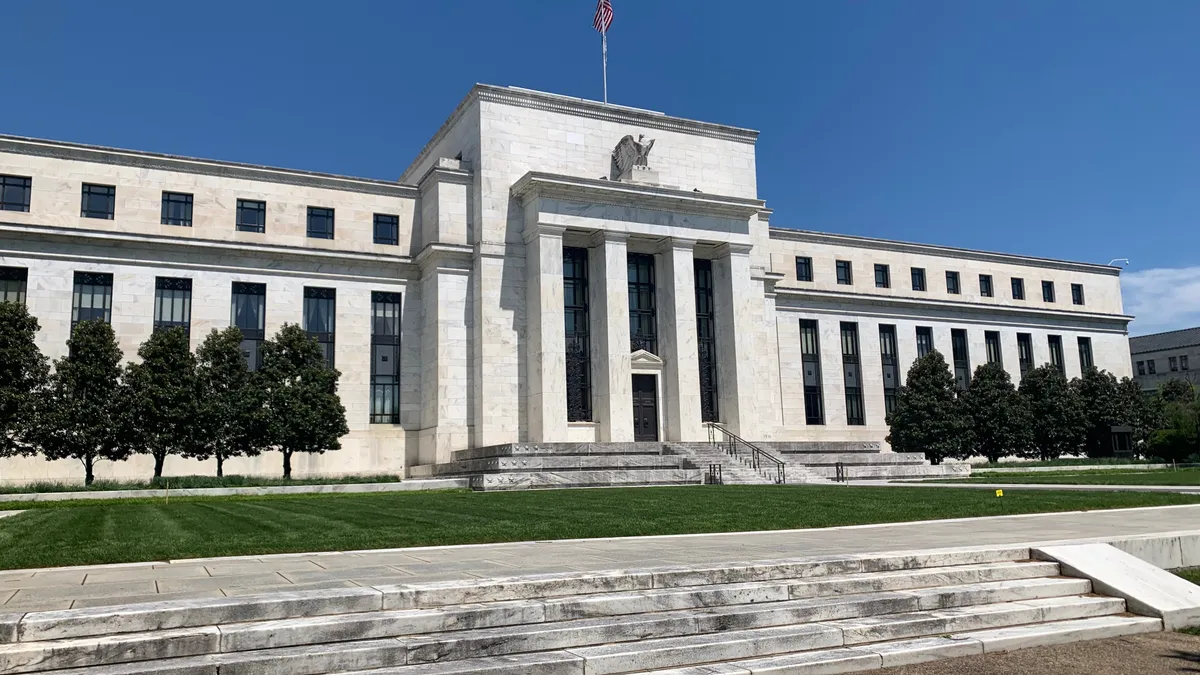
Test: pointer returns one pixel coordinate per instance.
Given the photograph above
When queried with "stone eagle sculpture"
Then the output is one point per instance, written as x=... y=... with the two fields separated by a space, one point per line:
x=630 y=153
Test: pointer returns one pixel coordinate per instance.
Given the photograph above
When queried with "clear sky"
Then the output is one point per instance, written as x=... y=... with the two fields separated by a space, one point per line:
x=1059 y=128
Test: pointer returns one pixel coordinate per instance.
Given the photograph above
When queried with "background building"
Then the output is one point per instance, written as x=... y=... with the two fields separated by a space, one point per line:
x=1166 y=356
x=548 y=269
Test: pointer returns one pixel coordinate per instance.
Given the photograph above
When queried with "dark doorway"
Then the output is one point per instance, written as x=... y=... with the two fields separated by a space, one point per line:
x=645 y=408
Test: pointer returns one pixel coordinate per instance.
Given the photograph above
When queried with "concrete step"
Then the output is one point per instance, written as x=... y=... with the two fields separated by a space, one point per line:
x=547 y=463
x=528 y=480
x=894 y=471
x=855 y=458
x=737 y=470
x=559 y=449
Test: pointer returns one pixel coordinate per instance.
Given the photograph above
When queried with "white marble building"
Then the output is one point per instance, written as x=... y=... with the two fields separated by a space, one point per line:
x=476 y=232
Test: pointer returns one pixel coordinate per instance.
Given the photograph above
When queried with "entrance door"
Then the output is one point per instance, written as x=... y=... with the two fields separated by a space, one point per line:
x=645 y=408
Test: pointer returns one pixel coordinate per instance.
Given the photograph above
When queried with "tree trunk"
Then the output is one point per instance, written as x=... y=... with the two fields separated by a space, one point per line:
x=89 y=474
x=287 y=464
x=220 y=465
x=159 y=460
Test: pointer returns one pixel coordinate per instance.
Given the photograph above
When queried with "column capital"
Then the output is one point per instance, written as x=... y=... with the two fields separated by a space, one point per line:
x=602 y=237
x=730 y=248
x=676 y=244
x=536 y=230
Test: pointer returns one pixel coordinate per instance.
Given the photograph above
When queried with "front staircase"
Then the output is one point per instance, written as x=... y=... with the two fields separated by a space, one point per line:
x=739 y=469
x=814 y=615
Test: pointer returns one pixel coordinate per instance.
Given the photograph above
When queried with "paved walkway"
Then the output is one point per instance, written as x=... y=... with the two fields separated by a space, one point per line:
x=72 y=587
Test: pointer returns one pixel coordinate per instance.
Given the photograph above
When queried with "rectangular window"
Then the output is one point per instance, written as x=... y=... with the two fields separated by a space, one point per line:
x=1151 y=367
x=578 y=334
x=1048 y=291
x=924 y=340
x=248 y=311
x=962 y=358
x=92 y=298
x=1018 y=289
x=918 y=278
x=1077 y=294
x=991 y=340
x=14 y=193
x=1085 y=354
x=13 y=282
x=387 y=229
x=810 y=361
x=985 y=285
x=855 y=415
x=1183 y=364
x=1056 y=354
x=1173 y=364
x=99 y=201
x=1025 y=352
x=706 y=344
x=643 y=329
x=883 y=277
x=952 y=286
x=845 y=273
x=891 y=366
x=251 y=215
x=173 y=304
x=803 y=268
x=1141 y=366
x=385 y=358
x=177 y=209
x=320 y=318
x=320 y=223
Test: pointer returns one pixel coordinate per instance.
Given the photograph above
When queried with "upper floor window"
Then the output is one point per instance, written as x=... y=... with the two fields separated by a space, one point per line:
x=387 y=229
x=13 y=281
x=14 y=193
x=985 y=285
x=1048 y=291
x=918 y=278
x=1085 y=354
x=1173 y=363
x=1150 y=367
x=883 y=277
x=320 y=318
x=1141 y=366
x=845 y=274
x=177 y=209
x=1077 y=294
x=173 y=304
x=92 y=297
x=1056 y=353
x=251 y=215
x=952 y=286
x=320 y=223
x=1018 y=288
x=924 y=340
x=803 y=268
x=99 y=201
x=248 y=311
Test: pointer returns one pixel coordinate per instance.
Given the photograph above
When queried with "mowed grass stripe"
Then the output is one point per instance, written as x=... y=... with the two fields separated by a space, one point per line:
x=1180 y=477
x=78 y=533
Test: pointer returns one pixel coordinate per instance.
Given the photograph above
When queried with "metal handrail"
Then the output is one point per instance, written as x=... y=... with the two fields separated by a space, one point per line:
x=736 y=445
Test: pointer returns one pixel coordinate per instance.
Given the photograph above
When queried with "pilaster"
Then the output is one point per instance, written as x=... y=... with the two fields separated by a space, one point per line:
x=445 y=365
x=608 y=270
x=678 y=342
x=733 y=300
x=545 y=359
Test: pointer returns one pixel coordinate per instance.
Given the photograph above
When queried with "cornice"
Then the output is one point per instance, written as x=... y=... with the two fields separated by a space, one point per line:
x=933 y=249
x=37 y=147
x=537 y=184
x=860 y=299
x=73 y=234
x=448 y=171
x=454 y=257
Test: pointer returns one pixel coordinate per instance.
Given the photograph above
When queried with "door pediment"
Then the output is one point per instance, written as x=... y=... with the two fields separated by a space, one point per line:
x=644 y=360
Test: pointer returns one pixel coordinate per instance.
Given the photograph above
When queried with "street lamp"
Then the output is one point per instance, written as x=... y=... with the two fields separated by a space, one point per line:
x=1117 y=260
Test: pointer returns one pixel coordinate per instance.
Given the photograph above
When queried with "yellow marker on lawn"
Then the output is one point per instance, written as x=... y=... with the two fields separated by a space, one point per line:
x=999 y=493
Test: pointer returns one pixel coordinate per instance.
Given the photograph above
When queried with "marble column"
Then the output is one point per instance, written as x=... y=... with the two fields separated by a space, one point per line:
x=445 y=365
x=677 y=341
x=612 y=390
x=733 y=300
x=545 y=358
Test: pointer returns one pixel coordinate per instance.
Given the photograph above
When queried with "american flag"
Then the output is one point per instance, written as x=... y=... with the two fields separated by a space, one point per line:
x=604 y=16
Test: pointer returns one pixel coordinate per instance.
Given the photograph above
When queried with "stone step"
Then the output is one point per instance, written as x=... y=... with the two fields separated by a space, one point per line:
x=528 y=480
x=558 y=449
x=895 y=471
x=547 y=463
x=855 y=459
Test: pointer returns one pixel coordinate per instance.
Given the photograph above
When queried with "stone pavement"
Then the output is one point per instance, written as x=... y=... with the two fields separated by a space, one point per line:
x=73 y=587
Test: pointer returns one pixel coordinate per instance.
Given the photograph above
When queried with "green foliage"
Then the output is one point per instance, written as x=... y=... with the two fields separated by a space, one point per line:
x=927 y=417
x=232 y=420
x=1057 y=423
x=1176 y=391
x=23 y=376
x=303 y=411
x=1177 y=435
x=85 y=413
x=1108 y=402
x=996 y=413
x=163 y=396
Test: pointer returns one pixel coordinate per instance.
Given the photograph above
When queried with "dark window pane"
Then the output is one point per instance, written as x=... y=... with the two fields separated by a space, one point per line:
x=387 y=229
x=962 y=361
x=991 y=340
x=15 y=192
x=320 y=318
x=918 y=279
x=385 y=358
x=1056 y=353
x=891 y=367
x=177 y=209
x=924 y=340
x=251 y=216
x=952 y=286
x=1085 y=355
x=804 y=268
x=248 y=311
x=642 y=315
x=855 y=413
x=1025 y=352
x=578 y=334
x=91 y=299
x=883 y=277
x=320 y=223
x=845 y=274
x=1018 y=289
x=1077 y=294
x=99 y=201
x=173 y=304
x=1048 y=291
x=706 y=340
x=13 y=282
x=985 y=285
x=810 y=360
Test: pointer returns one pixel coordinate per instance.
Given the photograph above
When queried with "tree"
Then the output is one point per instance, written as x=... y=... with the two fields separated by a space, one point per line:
x=927 y=417
x=231 y=406
x=163 y=396
x=996 y=414
x=1108 y=402
x=1176 y=391
x=23 y=376
x=84 y=413
x=1057 y=425
x=1179 y=437
x=303 y=411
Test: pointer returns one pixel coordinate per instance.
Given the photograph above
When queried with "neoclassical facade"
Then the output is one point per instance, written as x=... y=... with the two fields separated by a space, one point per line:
x=548 y=269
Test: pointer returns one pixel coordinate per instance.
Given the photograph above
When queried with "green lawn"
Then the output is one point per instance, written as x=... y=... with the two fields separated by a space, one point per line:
x=73 y=533
x=1097 y=477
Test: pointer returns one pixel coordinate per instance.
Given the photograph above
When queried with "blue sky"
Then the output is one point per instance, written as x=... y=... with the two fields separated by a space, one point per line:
x=1059 y=128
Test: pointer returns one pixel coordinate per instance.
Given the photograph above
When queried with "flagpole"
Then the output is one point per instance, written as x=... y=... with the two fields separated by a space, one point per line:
x=604 y=49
